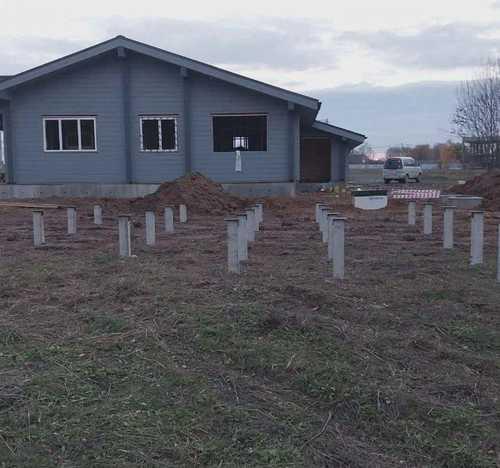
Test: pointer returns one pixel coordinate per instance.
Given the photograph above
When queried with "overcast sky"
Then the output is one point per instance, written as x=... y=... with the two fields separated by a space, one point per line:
x=321 y=48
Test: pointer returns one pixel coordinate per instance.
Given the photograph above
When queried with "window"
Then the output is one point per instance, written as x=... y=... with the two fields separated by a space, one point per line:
x=239 y=132
x=70 y=134
x=158 y=134
x=394 y=163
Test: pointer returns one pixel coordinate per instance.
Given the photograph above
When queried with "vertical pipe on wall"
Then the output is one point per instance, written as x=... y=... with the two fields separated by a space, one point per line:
x=8 y=145
x=293 y=143
x=186 y=118
x=127 y=134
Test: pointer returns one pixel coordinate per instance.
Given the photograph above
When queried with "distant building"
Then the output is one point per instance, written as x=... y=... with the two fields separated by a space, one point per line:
x=482 y=151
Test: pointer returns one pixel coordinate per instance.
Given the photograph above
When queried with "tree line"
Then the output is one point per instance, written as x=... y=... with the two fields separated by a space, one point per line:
x=476 y=121
x=439 y=153
x=477 y=115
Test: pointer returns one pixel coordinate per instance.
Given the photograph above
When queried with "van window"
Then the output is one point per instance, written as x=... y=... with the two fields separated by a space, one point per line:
x=393 y=163
x=410 y=163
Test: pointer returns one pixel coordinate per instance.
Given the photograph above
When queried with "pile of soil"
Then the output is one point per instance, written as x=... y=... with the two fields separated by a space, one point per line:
x=201 y=195
x=485 y=185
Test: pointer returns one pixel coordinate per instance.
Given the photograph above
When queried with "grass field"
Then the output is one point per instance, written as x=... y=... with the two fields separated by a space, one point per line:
x=165 y=360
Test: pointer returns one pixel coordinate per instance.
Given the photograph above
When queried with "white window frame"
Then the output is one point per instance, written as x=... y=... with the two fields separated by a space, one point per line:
x=257 y=114
x=79 y=129
x=159 y=118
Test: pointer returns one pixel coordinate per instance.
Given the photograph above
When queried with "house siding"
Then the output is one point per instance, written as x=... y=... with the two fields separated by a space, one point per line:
x=90 y=89
x=152 y=88
x=209 y=97
x=156 y=88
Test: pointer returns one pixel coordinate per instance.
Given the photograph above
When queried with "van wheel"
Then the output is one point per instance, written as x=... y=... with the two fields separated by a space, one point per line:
x=417 y=179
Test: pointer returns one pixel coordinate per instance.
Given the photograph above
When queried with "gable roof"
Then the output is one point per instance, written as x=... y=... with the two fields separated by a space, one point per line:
x=338 y=131
x=163 y=55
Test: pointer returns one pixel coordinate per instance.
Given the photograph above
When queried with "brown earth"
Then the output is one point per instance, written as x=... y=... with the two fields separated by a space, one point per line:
x=201 y=194
x=167 y=360
x=486 y=185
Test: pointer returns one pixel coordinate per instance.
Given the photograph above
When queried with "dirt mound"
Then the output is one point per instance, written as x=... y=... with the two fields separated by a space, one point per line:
x=485 y=185
x=199 y=193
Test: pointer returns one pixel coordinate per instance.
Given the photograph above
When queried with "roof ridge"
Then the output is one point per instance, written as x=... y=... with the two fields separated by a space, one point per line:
x=123 y=41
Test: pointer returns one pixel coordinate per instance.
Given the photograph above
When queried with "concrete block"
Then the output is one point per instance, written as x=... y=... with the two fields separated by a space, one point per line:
x=38 y=228
x=330 y=220
x=242 y=237
x=98 y=214
x=168 y=214
x=448 y=236
x=183 y=217
x=260 y=207
x=412 y=213
x=338 y=234
x=150 y=228
x=124 y=236
x=323 y=227
x=428 y=219
x=257 y=218
x=477 y=238
x=71 y=212
x=462 y=202
x=250 y=225
x=233 y=261
x=316 y=212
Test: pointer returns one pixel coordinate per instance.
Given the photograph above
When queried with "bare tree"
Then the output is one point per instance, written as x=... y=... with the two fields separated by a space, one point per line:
x=477 y=115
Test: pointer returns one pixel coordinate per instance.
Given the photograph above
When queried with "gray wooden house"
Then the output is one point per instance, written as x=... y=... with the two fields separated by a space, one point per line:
x=122 y=116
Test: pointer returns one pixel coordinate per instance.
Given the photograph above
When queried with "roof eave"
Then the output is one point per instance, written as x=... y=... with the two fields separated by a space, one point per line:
x=355 y=137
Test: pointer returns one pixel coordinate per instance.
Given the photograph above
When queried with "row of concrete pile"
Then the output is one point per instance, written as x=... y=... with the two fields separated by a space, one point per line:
x=332 y=229
x=124 y=226
x=476 y=230
x=241 y=230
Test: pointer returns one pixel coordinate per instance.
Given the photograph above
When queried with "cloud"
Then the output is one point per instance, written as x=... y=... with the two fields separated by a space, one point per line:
x=19 y=54
x=413 y=113
x=452 y=45
x=286 y=44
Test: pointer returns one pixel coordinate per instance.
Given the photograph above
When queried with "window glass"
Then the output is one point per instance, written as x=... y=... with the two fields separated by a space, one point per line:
x=168 y=134
x=87 y=132
x=240 y=132
x=150 y=134
x=393 y=163
x=240 y=143
x=52 y=135
x=69 y=134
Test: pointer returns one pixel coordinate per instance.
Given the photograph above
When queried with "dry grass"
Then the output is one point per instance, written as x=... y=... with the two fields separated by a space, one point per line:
x=166 y=360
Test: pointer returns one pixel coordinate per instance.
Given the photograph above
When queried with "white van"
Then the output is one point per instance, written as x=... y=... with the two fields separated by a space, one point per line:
x=401 y=169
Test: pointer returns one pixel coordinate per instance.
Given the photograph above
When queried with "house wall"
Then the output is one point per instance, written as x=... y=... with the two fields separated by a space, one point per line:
x=90 y=89
x=340 y=151
x=96 y=88
x=209 y=97
x=155 y=88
